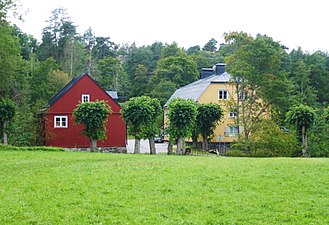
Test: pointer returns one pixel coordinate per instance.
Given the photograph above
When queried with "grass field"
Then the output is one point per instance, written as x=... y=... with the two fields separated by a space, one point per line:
x=92 y=188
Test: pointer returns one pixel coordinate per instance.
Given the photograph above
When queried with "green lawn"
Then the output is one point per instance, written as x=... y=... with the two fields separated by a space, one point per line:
x=93 y=188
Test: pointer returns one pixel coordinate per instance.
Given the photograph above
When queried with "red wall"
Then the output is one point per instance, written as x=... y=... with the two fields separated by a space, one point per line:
x=72 y=135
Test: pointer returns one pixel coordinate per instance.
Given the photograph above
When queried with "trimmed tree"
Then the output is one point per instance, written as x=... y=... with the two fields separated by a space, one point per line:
x=151 y=129
x=206 y=121
x=140 y=114
x=7 y=112
x=182 y=116
x=94 y=116
x=302 y=117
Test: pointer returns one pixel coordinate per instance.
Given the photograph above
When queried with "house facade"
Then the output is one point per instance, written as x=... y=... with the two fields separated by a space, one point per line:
x=214 y=86
x=59 y=127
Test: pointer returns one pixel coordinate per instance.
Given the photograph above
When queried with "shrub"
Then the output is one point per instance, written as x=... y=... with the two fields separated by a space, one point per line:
x=268 y=140
x=236 y=153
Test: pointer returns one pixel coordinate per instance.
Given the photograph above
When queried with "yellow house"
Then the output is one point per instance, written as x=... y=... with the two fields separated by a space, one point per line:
x=214 y=86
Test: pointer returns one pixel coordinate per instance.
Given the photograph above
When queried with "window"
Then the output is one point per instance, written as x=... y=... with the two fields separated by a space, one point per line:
x=60 y=122
x=222 y=94
x=231 y=131
x=233 y=114
x=85 y=98
x=242 y=95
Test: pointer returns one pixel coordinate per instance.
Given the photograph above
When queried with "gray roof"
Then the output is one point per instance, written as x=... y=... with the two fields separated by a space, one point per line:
x=113 y=94
x=195 y=89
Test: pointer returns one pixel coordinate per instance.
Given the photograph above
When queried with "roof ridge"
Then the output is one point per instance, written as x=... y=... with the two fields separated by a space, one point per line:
x=67 y=87
x=195 y=89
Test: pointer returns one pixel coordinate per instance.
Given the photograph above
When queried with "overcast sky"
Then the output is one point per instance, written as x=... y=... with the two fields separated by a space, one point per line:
x=293 y=23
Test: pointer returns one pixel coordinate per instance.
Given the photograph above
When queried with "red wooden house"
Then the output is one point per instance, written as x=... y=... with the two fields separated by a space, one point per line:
x=59 y=126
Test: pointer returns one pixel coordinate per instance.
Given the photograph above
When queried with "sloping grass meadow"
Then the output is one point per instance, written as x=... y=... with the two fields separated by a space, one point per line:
x=38 y=187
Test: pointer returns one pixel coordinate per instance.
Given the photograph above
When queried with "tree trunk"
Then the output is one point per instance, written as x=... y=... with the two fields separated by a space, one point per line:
x=246 y=134
x=304 y=142
x=205 y=146
x=93 y=145
x=180 y=146
x=4 y=133
x=137 y=148
x=170 y=147
x=238 y=108
x=152 y=146
x=194 y=142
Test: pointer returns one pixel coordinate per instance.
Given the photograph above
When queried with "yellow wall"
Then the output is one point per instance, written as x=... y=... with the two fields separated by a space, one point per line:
x=210 y=95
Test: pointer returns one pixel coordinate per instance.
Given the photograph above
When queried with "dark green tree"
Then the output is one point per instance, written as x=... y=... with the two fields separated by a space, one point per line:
x=104 y=48
x=205 y=59
x=41 y=87
x=181 y=70
x=193 y=50
x=207 y=119
x=318 y=134
x=111 y=76
x=141 y=81
x=147 y=56
x=52 y=39
x=93 y=116
x=326 y=114
x=163 y=90
x=318 y=65
x=27 y=42
x=210 y=46
x=172 y=50
x=10 y=60
x=135 y=57
x=303 y=92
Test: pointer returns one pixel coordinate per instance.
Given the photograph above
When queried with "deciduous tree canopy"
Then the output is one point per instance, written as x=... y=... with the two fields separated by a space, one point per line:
x=93 y=116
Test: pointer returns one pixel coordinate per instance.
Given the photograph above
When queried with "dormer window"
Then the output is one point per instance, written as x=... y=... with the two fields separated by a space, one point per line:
x=85 y=98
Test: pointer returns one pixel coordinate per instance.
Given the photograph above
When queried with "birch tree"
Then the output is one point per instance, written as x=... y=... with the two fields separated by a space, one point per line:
x=7 y=112
x=257 y=70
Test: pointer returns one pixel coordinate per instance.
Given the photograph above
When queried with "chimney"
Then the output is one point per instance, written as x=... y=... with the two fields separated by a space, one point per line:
x=220 y=68
x=206 y=72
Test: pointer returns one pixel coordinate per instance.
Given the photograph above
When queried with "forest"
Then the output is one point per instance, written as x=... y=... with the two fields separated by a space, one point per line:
x=31 y=72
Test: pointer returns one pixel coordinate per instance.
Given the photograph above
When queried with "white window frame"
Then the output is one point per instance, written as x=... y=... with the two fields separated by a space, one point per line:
x=85 y=98
x=233 y=114
x=61 y=119
x=232 y=131
x=222 y=96
x=242 y=95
